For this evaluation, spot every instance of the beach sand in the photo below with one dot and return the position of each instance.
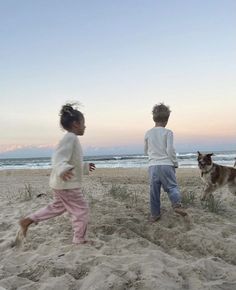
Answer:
(197, 252)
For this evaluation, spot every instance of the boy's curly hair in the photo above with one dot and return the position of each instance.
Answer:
(161, 113)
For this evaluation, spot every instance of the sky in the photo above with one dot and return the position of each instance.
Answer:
(118, 58)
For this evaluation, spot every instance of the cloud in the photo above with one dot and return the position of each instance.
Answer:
(19, 151)
(118, 150)
(47, 150)
(32, 151)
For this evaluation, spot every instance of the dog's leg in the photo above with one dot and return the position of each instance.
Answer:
(208, 191)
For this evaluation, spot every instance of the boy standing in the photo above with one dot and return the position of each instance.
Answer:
(162, 163)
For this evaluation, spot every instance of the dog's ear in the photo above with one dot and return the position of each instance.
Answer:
(199, 153)
(209, 154)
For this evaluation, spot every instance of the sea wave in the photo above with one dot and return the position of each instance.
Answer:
(186, 160)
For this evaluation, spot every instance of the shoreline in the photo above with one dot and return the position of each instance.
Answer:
(185, 159)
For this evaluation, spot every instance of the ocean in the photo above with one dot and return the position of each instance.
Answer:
(186, 160)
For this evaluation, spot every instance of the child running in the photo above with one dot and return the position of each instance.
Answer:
(162, 163)
(66, 178)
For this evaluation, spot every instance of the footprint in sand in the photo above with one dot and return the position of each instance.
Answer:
(6, 244)
(5, 226)
(105, 229)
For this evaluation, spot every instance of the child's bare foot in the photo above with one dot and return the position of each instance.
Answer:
(180, 211)
(21, 234)
(89, 242)
(24, 224)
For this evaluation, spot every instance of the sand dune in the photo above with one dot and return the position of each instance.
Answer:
(197, 252)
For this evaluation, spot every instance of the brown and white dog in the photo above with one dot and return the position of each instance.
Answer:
(215, 175)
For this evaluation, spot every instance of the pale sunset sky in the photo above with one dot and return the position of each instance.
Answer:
(118, 58)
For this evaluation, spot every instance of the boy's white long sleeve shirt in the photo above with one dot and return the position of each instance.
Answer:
(68, 156)
(158, 145)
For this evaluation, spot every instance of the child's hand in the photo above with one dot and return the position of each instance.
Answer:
(92, 166)
(67, 175)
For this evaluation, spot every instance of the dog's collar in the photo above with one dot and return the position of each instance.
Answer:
(205, 172)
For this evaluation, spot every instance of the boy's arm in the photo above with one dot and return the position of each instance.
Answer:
(145, 144)
(171, 150)
(145, 147)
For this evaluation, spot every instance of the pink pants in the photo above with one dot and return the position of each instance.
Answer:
(72, 201)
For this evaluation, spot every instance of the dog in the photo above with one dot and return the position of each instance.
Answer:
(215, 175)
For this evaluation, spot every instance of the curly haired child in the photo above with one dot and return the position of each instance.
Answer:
(66, 179)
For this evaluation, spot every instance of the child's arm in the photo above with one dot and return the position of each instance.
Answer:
(87, 167)
(62, 157)
(171, 150)
(145, 147)
(145, 144)
(67, 175)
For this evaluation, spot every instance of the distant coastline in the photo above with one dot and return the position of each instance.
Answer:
(186, 160)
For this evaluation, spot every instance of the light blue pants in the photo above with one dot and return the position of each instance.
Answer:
(162, 176)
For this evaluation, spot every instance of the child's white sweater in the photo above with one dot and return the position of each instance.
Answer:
(159, 147)
(68, 155)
